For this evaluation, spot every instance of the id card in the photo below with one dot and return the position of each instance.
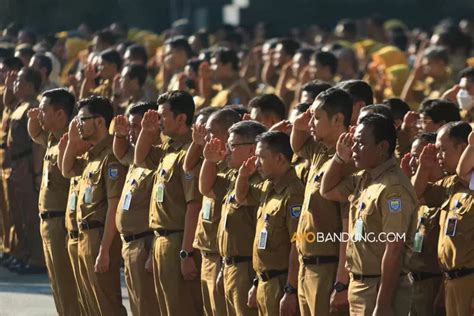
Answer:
(358, 229)
(72, 202)
(127, 201)
(160, 193)
(418, 242)
(206, 210)
(471, 183)
(262, 242)
(88, 195)
(451, 227)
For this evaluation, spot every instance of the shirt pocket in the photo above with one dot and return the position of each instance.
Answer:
(167, 166)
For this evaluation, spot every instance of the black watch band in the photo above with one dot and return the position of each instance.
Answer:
(183, 254)
(289, 289)
(255, 281)
(340, 287)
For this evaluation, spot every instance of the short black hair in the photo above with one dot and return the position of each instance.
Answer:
(203, 37)
(238, 108)
(226, 56)
(112, 56)
(381, 109)
(358, 89)
(225, 118)
(467, 73)
(437, 53)
(138, 52)
(61, 98)
(181, 43)
(458, 132)
(107, 37)
(290, 46)
(180, 102)
(44, 62)
(141, 108)
(326, 59)
(442, 110)
(382, 130)
(137, 71)
(249, 130)
(32, 76)
(398, 107)
(426, 137)
(205, 112)
(302, 107)
(269, 104)
(13, 63)
(335, 100)
(315, 87)
(306, 53)
(278, 142)
(99, 106)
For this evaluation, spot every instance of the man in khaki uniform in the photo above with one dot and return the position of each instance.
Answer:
(100, 187)
(323, 279)
(205, 239)
(275, 258)
(46, 125)
(132, 214)
(175, 203)
(453, 194)
(236, 228)
(382, 217)
(26, 163)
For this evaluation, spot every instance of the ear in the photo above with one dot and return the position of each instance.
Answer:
(181, 118)
(382, 147)
(338, 119)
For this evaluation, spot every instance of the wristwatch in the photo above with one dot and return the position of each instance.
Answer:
(255, 282)
(289, 289)
(340, 287)
(183, 254)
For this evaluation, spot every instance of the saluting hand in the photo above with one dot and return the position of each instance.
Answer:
(205, 71)
(344, 146)
(10, 79)
(405, 165)
(282, 126)
(470, 139)
(301, 122)
(409, 120)
(428, 158)
(63, 142)
(214, 150)
(248, 167)
(73, 133)
(151, 122)
(199, 134)
(121, 127)
(90, 72)
(33, 114)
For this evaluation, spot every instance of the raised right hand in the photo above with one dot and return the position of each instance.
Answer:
(151, 121)
(199, 134)
(344, 146)
(214, 151)
(121, 127)
(301, 122)
(428, 160)
(33, 113)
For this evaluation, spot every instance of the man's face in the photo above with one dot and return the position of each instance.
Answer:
(135, 123)
(306, 97)
(433, 67)
(467, 85)
(426, 124)
(238, 150)
(219, 70)
(106, 70)
(257, 115)
(20, 84)
(320, 125)
(298, 64)
(174, 58)
(214, 130)
(266, 161)
(168, 121)
(35, 64)
(126, 84)
(416, 148)
(279, 56)
(87, 124)
(48, 115)
(364, 148)
(449, 152)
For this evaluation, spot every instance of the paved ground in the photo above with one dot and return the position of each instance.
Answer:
(31, 295)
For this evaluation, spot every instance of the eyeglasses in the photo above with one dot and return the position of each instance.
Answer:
(82, 120)
(231, 147)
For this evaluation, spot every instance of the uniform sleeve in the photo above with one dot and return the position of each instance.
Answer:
(293, 211)
(221, 185)
(309, 148)
(397, 208)
(127, 159)
(348, 185)
(41, 139)
(190, 182)
(153, 158)
(436, 193)
(255, 192)
(115, 174)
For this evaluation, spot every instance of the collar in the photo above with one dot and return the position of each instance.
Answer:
(377, 171)
(100, 147)
(177, 142)
(286, 180)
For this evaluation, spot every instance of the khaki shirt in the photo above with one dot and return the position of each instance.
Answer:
(277, 220)
(178, 187)
(209, 218)
(455, 252)
(19, 141)
(134, 205)
(104, 89)
(71, 214)
(54, 189)
(103, 176)
(236, 230)
(238, 93)
(428, 226)
(4, 135)
(385, 200)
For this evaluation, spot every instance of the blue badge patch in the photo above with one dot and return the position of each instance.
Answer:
(395, 205)
(295, 211)
(113, 173)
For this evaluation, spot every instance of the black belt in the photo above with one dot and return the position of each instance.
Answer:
(130, 238)
(270, 274)
(420, 276)
(73, 234)
(51, 214)
(85, 225)
(166, 232)
(361, 277)
(237, 259)
(22, 154)
(456, 274)
(320, 259)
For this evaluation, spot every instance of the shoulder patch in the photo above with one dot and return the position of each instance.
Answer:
(113, 172)
(395, 205)
(295, 211)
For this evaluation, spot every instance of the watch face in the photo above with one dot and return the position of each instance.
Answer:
(183, 254)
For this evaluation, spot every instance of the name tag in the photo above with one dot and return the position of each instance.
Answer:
(418, 242)
(451, 227)
(160, 193)
(262, 242)
(88, 195)
(206, 210)
(72, 202)
(127, 201)
(358, 229)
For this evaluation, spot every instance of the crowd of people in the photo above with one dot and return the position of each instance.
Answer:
(324, 172)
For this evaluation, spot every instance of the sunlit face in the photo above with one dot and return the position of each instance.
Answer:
(426, 124)
(257, 115)
(135, 123)
(238, 150)
(214, 130)
(87, 124)
(106, 70)
(449, 152)
(168, 121)
(20, 85)
(298, 64)
(48, 115)
(267, 161)
(320, 125)
(364, 147)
